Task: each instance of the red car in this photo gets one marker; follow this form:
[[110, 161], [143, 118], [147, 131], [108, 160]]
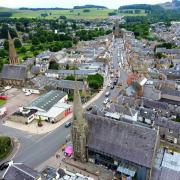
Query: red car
[[3, 97]]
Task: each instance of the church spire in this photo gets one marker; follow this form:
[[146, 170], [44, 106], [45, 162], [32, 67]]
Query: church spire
[[13, 59], [79, 128]]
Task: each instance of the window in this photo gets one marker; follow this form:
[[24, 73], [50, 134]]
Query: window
[[170, 131]]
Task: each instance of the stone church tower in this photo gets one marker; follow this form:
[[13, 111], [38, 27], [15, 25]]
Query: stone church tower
[[116, 29], [79, 129], [13, 58]]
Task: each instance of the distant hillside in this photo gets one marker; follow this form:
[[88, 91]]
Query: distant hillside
[[6, 12], [146, 7], [170, 5], [4, 9], [90, 6]]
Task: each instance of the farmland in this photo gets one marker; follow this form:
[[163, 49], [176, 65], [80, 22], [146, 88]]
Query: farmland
[[92, 13]]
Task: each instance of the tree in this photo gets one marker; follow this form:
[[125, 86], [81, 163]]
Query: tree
[[67, 66], [71, 78], [53, 65], [95, 81], [86, 10], [6, 45], [3, 53], [160, 55], [94, 84], [35, 41], [17, 43], [22, 50]]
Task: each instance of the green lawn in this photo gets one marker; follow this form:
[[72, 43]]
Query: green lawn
[[5, 146], [2, 102]]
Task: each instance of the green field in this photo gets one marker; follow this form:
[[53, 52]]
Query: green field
[[54, 14], [70, 14], [2, 102]]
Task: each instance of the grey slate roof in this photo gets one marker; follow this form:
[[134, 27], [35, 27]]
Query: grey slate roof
[[154, 104], [123, 140], [48, 100], [20, 172], [14, 72], [170, 92], [71, 72], [167, 174], [147, 113], [43, 81], [121, 109], [168, 51], [166, 123]]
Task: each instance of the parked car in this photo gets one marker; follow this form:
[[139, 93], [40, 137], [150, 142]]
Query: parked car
[[4, 165], [68, 124], [89, 108], [107, 94], [28, 93], [106, 100], [8, 87], [112, 87]]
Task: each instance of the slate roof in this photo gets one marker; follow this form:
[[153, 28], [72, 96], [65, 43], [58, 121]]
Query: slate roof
[[14, 72], [167, 174], [48, 100], [166, 123], [170, 92], [147, 113], [155, 104], [71, 72], [43, 81], [169, 51], [123, 140], [121, 109], [20, 172]]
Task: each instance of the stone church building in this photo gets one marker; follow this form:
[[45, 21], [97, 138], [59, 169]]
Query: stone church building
[[13, 74]]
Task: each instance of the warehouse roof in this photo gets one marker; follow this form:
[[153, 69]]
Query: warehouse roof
[[48, 100]]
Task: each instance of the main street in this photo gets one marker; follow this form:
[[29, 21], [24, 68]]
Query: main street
[[35, 149]]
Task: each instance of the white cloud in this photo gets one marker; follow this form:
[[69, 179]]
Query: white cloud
[[71, 3]]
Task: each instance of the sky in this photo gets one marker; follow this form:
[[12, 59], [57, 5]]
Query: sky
[[70, 3]]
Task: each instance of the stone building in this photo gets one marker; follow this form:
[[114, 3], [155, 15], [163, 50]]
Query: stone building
[[13, 75], [79, 129], [127, 148]]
